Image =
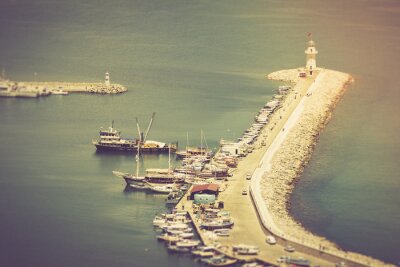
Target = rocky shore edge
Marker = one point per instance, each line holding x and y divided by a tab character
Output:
290	159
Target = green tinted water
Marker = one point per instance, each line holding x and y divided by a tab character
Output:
198	66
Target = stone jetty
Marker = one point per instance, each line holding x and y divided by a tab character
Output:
36	89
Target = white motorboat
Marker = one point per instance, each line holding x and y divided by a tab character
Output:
175	248
221	232
246	249
185	243
59	92
186	235
159	221
176	227
204	252
163	189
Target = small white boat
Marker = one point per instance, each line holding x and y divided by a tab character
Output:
246	249
222	232
159	221
163	189
186	235
252	264
139	186
175	248
217	224
176	227
204	252
187	243
59	92
219	261
168	238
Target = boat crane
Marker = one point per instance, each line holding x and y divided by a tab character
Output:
148	128
143	137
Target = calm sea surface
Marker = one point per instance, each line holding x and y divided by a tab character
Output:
200	66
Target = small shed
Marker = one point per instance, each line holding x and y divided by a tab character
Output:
209	189
204	199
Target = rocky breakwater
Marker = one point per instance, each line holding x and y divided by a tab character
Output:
105	89
76	87
289	160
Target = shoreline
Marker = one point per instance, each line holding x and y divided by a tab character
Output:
283	164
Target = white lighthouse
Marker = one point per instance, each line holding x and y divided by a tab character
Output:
107	79
311	53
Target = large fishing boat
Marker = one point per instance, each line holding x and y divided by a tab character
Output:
110	139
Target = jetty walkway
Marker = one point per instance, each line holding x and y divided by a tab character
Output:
37	89
253	220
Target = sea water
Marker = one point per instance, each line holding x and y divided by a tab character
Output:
199	66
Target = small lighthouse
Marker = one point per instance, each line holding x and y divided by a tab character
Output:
311	53
107	79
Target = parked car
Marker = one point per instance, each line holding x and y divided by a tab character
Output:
244	192
289	248
271	240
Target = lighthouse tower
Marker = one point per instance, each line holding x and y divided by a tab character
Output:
107	79
311	52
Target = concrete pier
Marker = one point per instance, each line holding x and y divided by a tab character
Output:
36	89
76	87
281	152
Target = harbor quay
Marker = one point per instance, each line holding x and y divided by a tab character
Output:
253	220
34	89
248	228
254	198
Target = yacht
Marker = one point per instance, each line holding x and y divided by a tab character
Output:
163	189
110	139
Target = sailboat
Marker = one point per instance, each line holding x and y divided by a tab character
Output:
134	181
195	151
166	178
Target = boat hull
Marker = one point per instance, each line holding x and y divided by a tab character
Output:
131	148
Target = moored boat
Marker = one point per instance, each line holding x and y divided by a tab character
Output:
246	249
162	189
110	139
220	260
217	224
59	92
175	248
221	232
204	251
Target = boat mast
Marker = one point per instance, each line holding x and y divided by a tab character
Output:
138	148
186	155
137	161
205	141
201	142
169	158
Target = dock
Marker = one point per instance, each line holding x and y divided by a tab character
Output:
34	89
253	220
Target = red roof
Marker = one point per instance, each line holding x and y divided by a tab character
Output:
211	187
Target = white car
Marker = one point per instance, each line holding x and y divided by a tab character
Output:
289	248
271	240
